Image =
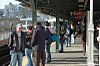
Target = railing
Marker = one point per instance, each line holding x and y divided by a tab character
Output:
4	35
4	49
4	38
4	55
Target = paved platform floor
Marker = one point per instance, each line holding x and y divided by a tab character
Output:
72	56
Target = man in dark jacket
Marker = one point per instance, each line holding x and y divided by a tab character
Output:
17	45
38	44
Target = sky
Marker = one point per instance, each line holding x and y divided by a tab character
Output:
6	2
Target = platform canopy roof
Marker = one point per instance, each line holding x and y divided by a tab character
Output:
64	7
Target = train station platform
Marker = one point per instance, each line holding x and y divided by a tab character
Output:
72	56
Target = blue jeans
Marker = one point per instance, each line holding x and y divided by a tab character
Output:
75	35
16	56
68	44
28	55
48	53
61	44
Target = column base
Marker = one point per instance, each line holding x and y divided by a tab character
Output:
90	64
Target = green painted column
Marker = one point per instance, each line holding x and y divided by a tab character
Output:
34	10
57	25
34	16
57	31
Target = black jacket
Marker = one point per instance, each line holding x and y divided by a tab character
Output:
48	34
38	39
28	39
14	44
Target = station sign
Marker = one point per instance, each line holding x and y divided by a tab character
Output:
78	14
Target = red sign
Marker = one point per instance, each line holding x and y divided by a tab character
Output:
78	14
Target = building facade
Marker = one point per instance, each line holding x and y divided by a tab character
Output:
16	11
1	13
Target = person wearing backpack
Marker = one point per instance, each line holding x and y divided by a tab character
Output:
69	32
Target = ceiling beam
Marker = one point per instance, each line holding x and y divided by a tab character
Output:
86	1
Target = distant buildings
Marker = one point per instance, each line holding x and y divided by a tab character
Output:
1	13
16	11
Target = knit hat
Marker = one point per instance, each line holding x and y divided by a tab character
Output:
18	25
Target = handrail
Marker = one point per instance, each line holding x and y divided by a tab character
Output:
4	54
6	63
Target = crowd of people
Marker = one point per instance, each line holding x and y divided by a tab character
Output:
37	40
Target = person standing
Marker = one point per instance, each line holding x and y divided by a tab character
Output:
28	47
62	38
38	44
17	43
48	43
69	32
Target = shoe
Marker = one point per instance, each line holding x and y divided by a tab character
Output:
60	51
47	62
68	46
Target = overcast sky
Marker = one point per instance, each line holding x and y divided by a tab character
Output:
5	2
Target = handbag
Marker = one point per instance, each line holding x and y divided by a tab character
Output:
54	38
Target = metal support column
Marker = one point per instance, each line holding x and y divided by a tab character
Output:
91	37
34	17
98	38
57	24
34	10
87	35
57	31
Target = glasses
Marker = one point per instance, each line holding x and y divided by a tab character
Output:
20	28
